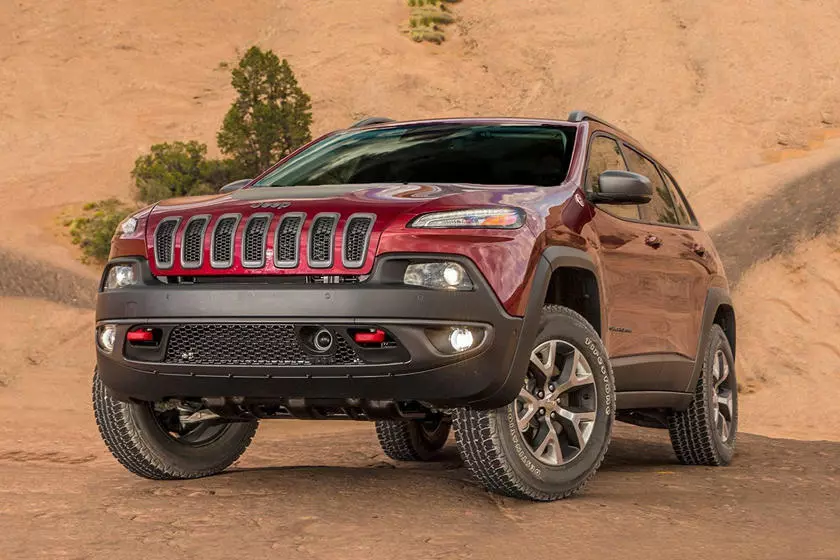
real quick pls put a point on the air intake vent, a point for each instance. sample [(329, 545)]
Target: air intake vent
[(192, 244), (221, 249), (356, 237), (165, 242), (287, 242), (321, 240), (253, 241)]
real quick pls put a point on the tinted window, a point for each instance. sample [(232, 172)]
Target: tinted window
[(605, 155), (439, 153), (683, 213), (661, 208)]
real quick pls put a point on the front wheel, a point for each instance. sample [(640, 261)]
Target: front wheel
[(166, 441), (550, 441)]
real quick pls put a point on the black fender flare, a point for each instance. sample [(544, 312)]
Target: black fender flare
[(715, 298), (551, 259)]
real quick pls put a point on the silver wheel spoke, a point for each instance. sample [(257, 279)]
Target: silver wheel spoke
[(545, 358), (529, 409), (581, 423), (549, 449), (577, 375)]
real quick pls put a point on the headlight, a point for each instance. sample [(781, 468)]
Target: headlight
[(121, 276), (128, 226), (488, 218), (438, 275)]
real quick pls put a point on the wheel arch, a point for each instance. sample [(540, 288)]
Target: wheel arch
[(718, 310), (561, 265), (574, 283)]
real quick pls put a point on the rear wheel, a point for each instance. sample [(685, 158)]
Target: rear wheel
[(704, 433), (549, 442), (168, 440), (412, 440)]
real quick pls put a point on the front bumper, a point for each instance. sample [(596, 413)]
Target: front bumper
[(481, 377)]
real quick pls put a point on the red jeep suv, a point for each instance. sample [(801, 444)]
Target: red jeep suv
[(523, 282)]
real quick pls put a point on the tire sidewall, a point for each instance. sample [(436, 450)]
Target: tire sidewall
[(561, 478), (210, 455), (718, 341)]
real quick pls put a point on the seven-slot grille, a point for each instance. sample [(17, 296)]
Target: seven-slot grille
[(321, 236)]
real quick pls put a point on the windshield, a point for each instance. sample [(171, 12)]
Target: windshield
[(497, 154)]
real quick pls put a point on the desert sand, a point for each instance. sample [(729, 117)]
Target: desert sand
[(740, 99)]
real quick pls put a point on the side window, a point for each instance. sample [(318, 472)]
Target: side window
[(683, 213), (604, 155), (661, 208)]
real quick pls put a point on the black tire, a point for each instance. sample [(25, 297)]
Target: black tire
[(137, 440), (696, 433), (497, 453), (412, 440)]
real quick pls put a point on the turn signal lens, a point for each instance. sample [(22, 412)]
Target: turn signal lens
[(475, 218)]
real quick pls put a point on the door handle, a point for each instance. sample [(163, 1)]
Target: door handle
[(653, 241), (699, 250)]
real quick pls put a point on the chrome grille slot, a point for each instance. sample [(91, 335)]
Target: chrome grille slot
[(322, 240), (253, 240), (192, 243), (221, 244), (287, 240), (165, 242), (356, 238)]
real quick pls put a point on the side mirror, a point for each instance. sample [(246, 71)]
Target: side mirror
[(234, 186), (622, 187)]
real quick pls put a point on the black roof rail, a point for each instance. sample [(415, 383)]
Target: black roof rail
[(371, 121), (580, 116)]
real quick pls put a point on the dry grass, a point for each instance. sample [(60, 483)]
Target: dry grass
[(428, 19)]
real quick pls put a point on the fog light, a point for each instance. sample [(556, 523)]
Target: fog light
[(120, 276), (107, 337), (461, 339)]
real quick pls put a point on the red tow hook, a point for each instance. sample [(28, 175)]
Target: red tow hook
[(141, 335), (376, 336)]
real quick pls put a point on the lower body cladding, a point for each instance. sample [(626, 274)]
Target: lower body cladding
[(353, 350)]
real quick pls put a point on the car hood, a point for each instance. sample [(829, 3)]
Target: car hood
[(385, 200)]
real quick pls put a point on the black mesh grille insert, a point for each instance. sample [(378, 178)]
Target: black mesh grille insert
[(193, 242), (321, 241), (356, 240), (249, 344), (253, 244), (164, 242), (287, 243), (223, 241)]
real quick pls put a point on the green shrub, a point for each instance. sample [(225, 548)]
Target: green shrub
[(270, 117), (93, 230), (172, 169)]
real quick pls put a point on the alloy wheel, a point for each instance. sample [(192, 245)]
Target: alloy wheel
[(556, 407), (722, 399)]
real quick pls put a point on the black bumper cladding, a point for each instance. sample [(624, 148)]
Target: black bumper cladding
[(253, 340)]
